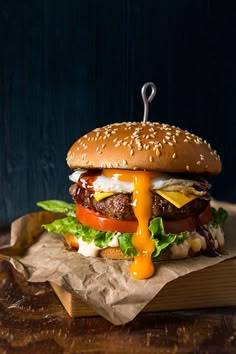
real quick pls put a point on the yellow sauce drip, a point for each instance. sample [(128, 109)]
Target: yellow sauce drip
[(142, 267)]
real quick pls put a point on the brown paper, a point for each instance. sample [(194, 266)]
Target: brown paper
[(106, 285)]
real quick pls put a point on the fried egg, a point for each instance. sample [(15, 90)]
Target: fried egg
[(164, 182)]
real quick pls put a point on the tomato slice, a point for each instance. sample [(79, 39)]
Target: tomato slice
[(102, 222), (205, 217), (188, 223)]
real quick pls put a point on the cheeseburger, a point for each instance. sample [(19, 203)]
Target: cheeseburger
[(140, 193)]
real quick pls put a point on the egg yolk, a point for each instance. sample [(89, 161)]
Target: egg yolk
[(142, 267)]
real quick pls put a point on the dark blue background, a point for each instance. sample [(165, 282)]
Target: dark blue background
[(69, 66)]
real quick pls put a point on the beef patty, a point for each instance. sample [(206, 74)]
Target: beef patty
[(119, 206)]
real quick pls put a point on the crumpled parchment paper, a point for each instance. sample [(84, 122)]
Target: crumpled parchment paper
[(106, 285)]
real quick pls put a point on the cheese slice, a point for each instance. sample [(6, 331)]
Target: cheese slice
[(179, 199), (102, 195)]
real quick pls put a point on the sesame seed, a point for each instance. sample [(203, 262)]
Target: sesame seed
[(185, 140), (151, 159), (124, 163), (170, 143), (198, 162), (174, 155), (206, 166), (187, 167), (131, 152), (164, 142), (158, 153)]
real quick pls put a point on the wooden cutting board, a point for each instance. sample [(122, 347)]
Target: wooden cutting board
[(214, 286)]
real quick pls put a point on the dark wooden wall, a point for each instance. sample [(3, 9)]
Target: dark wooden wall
[(68, 66)]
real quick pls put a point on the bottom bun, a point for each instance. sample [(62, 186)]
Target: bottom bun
[(116, 253), (72, 241)]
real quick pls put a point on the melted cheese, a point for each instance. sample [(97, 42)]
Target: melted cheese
[(177, 198), (102, 195)]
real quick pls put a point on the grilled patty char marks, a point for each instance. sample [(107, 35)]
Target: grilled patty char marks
[(119, 206)]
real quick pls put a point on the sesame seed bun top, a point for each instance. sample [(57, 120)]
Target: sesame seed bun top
[(144, 146)]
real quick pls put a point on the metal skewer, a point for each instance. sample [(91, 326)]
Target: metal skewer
[(147, 100)]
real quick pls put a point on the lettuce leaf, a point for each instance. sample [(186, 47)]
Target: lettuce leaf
[(58, 206), (70, 225), (219, 216), (162, 239), (126, 246)]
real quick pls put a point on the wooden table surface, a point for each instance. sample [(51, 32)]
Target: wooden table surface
[(32, 320)]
